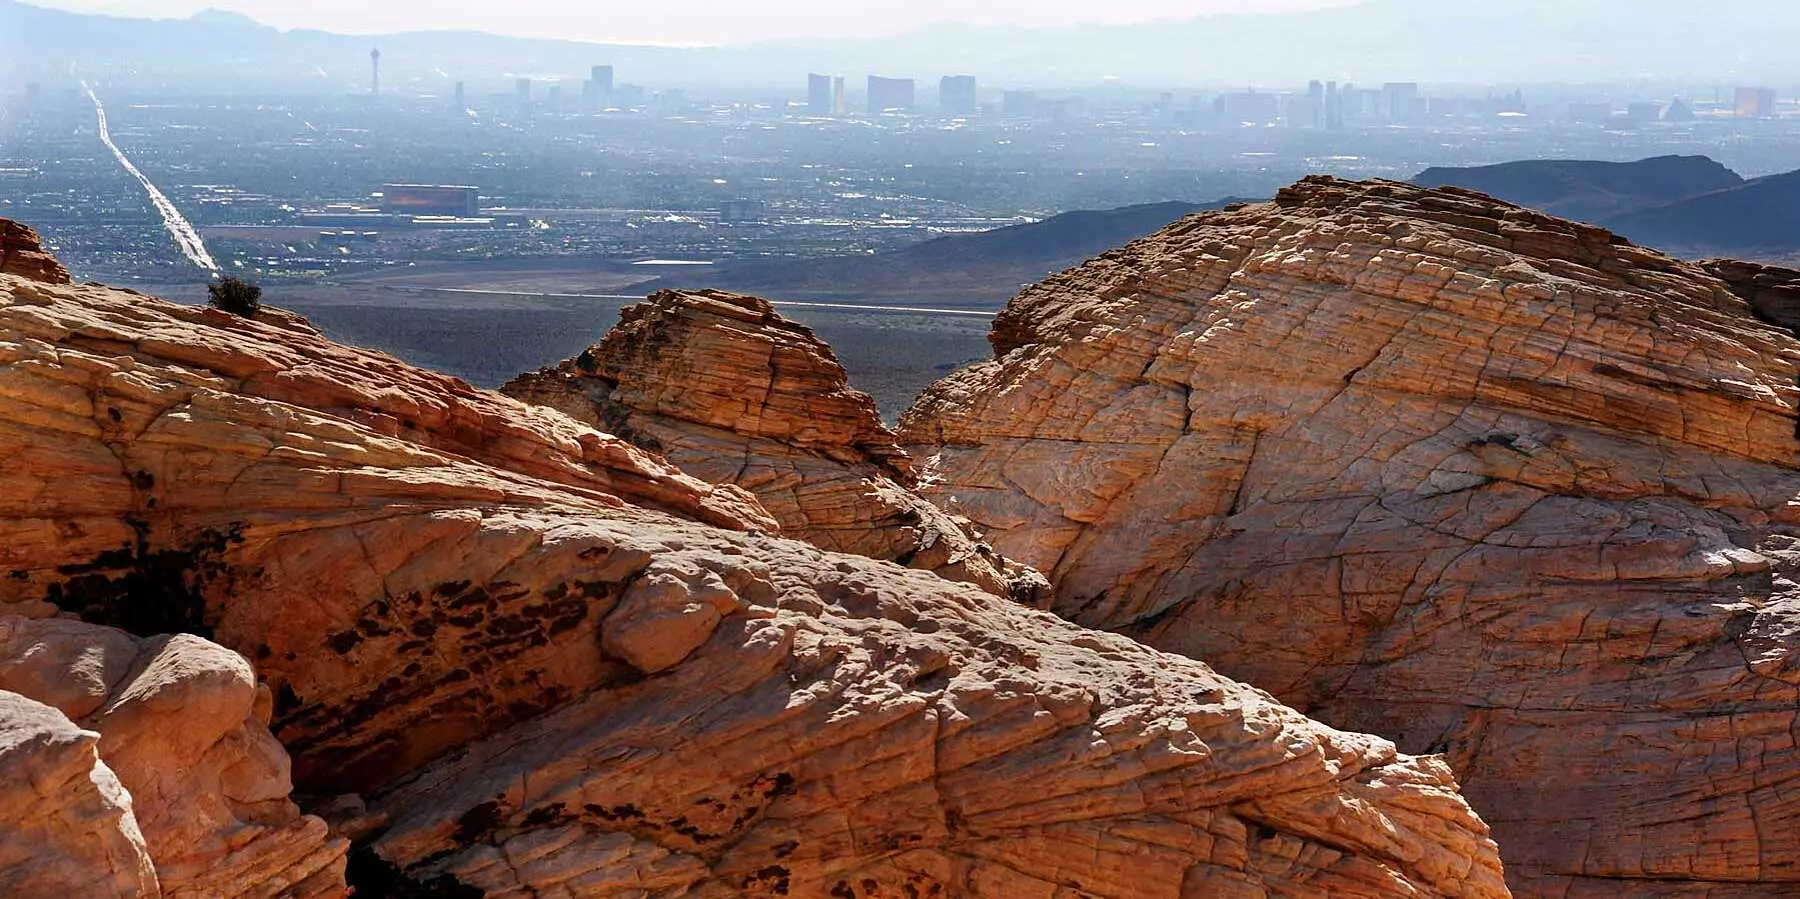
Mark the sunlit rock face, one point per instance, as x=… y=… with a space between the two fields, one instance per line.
x=1423 y=464
x=552 y=663
x=724 y=387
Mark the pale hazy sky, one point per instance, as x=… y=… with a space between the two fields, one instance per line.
x=680 y=21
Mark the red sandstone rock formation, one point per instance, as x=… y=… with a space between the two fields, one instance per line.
x=22 y=254
x=1424 y=464
x=553 y=664
x=725 y=388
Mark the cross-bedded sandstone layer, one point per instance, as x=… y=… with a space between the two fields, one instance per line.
x=1425 y=464
x=727 y=389
x=553 y=664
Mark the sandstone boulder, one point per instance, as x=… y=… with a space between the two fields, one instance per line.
x=184 y=727
x=1773 y=292
x=728 y=390
x=550 y=670
x=23 y=254
x=66 y=827
x=1427 y=465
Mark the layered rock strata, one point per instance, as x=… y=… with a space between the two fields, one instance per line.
x=151 y=772
x=727 y=389
x=1428 y=465
x=549 y=671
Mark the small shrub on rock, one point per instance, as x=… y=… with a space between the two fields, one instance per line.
x=235 y=295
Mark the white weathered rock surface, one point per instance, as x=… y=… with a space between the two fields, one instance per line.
x=1426 y=465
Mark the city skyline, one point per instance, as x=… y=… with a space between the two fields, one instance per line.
x=1670 y=42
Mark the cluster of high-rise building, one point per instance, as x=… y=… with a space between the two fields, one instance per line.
x=1330 y=105
x=825 y=95
x=958 y=95
x=1326 y=105
x=598 y=92
x=1744 y=103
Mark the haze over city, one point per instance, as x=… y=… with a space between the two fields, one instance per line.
x=682 y=22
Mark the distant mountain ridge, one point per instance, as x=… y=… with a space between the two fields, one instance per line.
x=984 y=268
x=1529 y=41
x=1586 y=190
x=1758 y=218
x=1686 y=205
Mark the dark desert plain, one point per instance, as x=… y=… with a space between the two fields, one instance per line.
x=491 y=326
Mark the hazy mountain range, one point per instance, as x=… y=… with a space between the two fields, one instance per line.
x=1518 y=41
x=1589 y=191
x=1686 y=205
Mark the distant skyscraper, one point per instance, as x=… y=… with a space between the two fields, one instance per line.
x=957 y=95
x=820 y=100
x=597 y=91
x=375 y=72
x=1334 y=106
x=1755 y=103
x=890 y=94
x=458 y=105
x=840 y=98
